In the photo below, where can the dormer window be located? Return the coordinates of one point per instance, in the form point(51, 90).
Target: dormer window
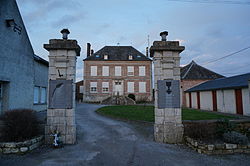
point(130, 57)
point(105, 57)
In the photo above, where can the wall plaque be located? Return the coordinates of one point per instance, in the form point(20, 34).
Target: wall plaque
point(168, 94)
point(60, 94)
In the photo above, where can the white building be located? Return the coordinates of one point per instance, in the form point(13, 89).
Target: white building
point(228, 95)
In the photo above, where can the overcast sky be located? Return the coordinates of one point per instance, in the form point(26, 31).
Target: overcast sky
point(207, 30)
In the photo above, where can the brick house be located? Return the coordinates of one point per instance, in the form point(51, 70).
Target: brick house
point(192, 75)
point(117, 70)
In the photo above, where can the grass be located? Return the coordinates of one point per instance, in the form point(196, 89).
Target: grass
point(146, 113)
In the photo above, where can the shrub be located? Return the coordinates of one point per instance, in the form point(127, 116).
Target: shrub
point(200, 130)
point(225, 126)
point(20, 124)
point(131, 96)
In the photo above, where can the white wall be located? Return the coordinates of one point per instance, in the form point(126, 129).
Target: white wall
point(229, 101)
point(194, 100)
point(246, 101)
point(206, 100)
point(226, 101)
point(220, 101)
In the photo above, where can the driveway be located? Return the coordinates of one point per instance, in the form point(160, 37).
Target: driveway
point(103, 141)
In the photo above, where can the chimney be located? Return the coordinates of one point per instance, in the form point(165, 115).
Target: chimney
point(92, 52)
point(164, 36)
point(88, 49)
point(146, 51)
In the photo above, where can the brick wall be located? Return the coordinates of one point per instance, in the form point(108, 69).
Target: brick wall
point(96, 97)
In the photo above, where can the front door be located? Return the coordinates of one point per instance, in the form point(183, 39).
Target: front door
point(118, 88)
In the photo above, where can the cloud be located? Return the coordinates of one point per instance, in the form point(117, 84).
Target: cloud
point(68, 19)
point(40, 11)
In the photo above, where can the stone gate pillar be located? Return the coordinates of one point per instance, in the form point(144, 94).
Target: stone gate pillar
point(168, 126)
point(61, 91)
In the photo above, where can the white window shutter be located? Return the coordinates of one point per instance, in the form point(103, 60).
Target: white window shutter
point(131, 87)
point(130, 70)
point(93, 84)
point(93, 70)
point(43, 95)
point(36, 95)
point(142, 87)
point(142, 71)
point(118, 71)
point(105, 70)
point(80, 89)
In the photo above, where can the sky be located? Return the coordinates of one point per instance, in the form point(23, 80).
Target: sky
point(209, 29)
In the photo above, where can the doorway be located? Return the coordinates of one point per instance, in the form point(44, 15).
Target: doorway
point(238, 99)
point(118, 88)
point(214, 99)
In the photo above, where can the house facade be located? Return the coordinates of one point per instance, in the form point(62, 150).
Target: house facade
point(24, 75)
point(192, 75)
point(117, 71)
point(228, 95)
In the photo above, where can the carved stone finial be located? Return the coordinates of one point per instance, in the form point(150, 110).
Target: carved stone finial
point(65, 33)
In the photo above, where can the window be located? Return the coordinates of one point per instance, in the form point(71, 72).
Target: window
point(141, 70)
point(142, 87)
point(105, 57)
point(93, 70)
point(105, 87)
point(130, 57)
point(93, 87)
point(80, 89)
point(118, 71)
point(43, 95)
point(36, 95)
point(130, 70)
point(40, 95)
point(105, 70)
point(131, 87)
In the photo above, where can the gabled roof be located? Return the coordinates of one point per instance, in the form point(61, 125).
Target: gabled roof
point(118, 53)
point(239, 81)
point(193, 71)
point(41, 60)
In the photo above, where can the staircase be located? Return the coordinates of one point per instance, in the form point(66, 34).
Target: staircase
point(118, 100)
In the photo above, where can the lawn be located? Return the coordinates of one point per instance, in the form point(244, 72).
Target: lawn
point(146, 113)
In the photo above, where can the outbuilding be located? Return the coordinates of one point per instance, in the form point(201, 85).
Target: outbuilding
point(228, 95)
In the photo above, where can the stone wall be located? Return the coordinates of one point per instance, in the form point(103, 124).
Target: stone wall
point(224, 148)
point(21, 147)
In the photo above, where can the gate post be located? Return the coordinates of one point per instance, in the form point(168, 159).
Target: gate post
point(61, 91)
point(168, 126)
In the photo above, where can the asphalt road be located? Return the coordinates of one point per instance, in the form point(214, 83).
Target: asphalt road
point(104, 141)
